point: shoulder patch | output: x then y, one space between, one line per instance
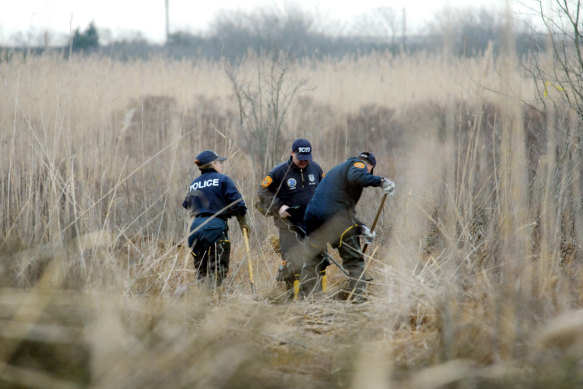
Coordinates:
266 182
359 165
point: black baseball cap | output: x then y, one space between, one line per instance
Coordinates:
369 157
303 149
207 156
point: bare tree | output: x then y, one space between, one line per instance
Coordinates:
263 99
558 75
563 24
289 29
469 30
381 23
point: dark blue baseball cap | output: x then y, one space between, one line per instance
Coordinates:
369 157
207 156
303 149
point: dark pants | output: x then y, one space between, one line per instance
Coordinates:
292 241
289 239
342 234
210 249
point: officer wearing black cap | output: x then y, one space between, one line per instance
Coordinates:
331 218
212 199
284 194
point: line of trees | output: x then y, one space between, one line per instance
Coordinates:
233 34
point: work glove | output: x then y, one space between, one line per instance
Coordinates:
388 186
368 234
283 211
244 223
282 272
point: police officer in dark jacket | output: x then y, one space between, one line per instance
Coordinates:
285 193
331 217
212 199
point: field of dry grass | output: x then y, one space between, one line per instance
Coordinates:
476 265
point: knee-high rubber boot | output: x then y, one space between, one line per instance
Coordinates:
309 278
296 287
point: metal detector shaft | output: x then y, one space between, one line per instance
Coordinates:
329 258
376 219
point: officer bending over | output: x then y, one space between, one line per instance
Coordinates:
331 218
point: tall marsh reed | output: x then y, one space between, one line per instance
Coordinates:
477 263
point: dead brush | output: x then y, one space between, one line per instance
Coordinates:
274 243
96 290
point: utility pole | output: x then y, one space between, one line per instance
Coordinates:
167 21
404 29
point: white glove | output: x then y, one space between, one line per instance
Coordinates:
368 234
283 211
388 186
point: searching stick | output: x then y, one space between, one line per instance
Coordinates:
376 219
249 262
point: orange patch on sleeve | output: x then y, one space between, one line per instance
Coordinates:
266 182
359 165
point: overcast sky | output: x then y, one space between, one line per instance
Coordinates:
123 18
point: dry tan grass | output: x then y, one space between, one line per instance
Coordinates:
476 254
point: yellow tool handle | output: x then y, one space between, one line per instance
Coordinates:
249 261
296 288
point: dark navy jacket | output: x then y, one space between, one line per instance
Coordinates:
338 193
289 185
210 193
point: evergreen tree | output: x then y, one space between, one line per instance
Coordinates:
87 40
